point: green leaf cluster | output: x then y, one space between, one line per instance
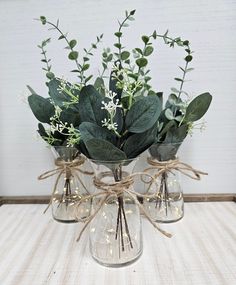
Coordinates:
141 119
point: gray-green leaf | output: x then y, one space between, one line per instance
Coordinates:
73 55
41 108
103 150
138 143
198 107
90 104
141 62
90 131
148 50
143 114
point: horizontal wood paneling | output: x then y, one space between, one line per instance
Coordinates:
187 198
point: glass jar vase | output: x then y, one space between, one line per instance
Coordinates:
168 205
70 185
115 231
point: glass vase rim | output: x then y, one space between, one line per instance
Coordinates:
113 161
65 147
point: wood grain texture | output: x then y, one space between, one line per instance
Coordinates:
35 250
223 197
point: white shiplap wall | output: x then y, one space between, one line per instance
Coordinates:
209 25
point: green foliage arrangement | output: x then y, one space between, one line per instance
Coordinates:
120 115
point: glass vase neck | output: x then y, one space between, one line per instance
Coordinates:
163 151
66 153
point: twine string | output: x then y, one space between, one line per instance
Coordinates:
170 166
69 168
117 188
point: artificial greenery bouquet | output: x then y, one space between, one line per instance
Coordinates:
114 118
122 115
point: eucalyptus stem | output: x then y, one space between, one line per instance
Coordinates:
73 54
183 78
67 41
46 60
119 31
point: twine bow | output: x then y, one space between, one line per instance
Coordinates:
163 167
117 188
70 168
175 164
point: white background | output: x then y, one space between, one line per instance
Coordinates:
209 25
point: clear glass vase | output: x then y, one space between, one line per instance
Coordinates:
115 231
168 205
70 187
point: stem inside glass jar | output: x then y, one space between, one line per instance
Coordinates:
122 227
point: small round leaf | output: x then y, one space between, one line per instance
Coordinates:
73 55
125 55
141 62
148 50
73 43
188 58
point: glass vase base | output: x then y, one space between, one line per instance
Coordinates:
169 221
65 221
118 265
165 211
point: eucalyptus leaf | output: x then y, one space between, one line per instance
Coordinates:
164 151
145 39
125 55
73 55
70 116
90 105
41 130
169 125
198 107
176 134
141 62
143 114
167 149
72 43
31 90
57 95
138 143
41 108
148 50
99 85
90 131
50 75
103 150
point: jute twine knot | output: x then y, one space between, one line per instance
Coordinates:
116 188
69 168
171 165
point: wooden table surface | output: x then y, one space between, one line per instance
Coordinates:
35 250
